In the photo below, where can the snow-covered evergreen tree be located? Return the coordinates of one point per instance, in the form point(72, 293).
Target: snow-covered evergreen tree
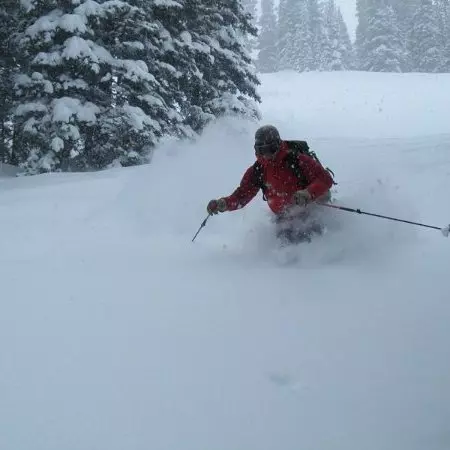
point(425, 39)
point(250, 7)
point(102, 82)
point(312, 36)
point(174, 57)
point(86, 97)
point(294, 38)
point(443, 13)
point(403, 13)
point(226, 81)
point(268, 55)
point(143, 101)
point(383, 50)
point(318, 39)
point(362, 12)
point(9, 18)
point(405, 10)
point(336, 55)
point(285, 35)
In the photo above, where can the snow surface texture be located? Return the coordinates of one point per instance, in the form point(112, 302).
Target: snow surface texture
point(116, 332)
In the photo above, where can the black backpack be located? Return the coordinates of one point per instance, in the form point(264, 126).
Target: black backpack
point(295, 148)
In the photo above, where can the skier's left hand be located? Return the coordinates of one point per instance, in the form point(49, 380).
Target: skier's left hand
point(302, 198)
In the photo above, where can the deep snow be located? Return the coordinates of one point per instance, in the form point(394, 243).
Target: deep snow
point(116, 332)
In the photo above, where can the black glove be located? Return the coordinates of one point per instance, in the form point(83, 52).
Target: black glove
point(217, 206)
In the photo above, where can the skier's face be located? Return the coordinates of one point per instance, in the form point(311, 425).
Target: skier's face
point(270, 157)
point(266, 151)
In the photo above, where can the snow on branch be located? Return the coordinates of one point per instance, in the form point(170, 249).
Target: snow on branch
point(76, 47)
point(135, 70)
point(167, 4)
point(66, 107)
point(138, 119)
point(56, 19)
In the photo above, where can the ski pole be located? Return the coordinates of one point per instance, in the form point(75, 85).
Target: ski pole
point(445, 231)
point(201, 226)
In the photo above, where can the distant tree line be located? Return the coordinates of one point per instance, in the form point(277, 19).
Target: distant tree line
point(392, 36)
point(303, 35)
point(403, 35)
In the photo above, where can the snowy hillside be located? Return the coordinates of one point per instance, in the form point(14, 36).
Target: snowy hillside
point(118, 333)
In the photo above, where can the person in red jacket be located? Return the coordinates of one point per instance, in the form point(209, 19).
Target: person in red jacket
point(286, 193)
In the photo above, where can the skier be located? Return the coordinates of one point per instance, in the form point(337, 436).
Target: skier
point(289, 186)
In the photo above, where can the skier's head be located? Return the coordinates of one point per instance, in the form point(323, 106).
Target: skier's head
point(267, 141)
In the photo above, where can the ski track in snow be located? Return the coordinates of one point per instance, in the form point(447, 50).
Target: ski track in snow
point(117, 332)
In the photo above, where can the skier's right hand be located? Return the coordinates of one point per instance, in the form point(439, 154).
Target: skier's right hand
point(217, 206)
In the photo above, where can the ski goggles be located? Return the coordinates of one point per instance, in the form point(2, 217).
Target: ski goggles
point(264, 149)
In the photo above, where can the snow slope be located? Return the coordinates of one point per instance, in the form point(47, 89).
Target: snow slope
point(118, 333)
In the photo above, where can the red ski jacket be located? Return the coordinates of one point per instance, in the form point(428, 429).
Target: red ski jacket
point(281, 182)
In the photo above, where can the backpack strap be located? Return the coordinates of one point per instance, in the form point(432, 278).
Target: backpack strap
point(291, 161)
